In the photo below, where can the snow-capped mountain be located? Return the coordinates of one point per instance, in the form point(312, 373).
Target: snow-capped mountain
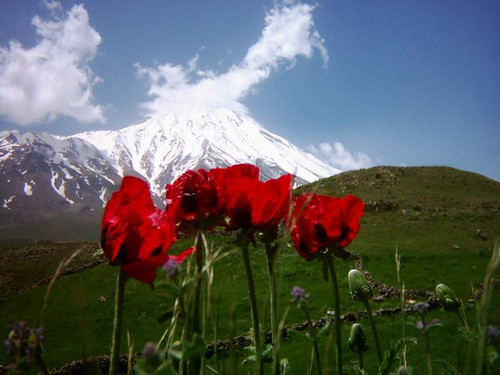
point(162, 148)
point(42, 174)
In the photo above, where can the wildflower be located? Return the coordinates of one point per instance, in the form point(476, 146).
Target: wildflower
point(299, 294)
point(134, 233)
point(249, 203)
point(321, 221)
point(24, 341)
point(421, 308)
point(172, 266)
point(151, 355)
point(192, 199)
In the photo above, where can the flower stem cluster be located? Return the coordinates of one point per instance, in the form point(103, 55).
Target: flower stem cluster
point(137, 236)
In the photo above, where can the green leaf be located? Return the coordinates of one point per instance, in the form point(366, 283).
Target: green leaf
point(447, 367)
point(267, 354)
point(192, 350)
point(391, 355)
point(325, 330)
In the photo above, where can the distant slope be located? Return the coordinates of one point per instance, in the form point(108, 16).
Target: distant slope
point(435, 189)
point(426, 208)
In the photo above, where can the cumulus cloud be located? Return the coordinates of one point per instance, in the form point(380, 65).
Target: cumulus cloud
point(54, 77)
point(289, 32)
point(339, 157)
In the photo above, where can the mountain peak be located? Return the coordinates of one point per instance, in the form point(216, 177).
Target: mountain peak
point(161, 148)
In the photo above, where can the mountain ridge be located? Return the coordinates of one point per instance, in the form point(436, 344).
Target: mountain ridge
point(45, 174)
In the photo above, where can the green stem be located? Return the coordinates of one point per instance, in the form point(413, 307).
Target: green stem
point(253, 304)
point(197, 290)
point(195, 365)
point(315, 341)
point(484, 307)
point(338, 339)
point(405, 347)
point(40, 363)
point(427, 348)
point(117, 323)
point(374, 332)
point(461, 315)
point(360, 358)
point(274, 312)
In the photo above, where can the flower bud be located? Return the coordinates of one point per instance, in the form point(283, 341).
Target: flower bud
point(360, 289)
point(299, 294)
point(448, 298)
point(357, 339)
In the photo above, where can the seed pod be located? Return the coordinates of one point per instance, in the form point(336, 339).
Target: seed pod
point(359, 287)
point(448, 298)
point(357, 339)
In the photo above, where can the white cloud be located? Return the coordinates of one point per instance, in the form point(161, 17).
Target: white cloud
point(339, 157)
point(289, 33)
point(55, 7)
point(53, 78)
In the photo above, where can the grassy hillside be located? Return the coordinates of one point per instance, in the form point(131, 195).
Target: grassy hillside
point(64, 227)
point(431, 214)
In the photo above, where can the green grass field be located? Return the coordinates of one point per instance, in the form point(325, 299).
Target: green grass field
point(432, 218)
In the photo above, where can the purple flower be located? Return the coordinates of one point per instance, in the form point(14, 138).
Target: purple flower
point(420, 325)
point(150, 350)
point(151, 355)
point(421, 308)
point(24, 340)
point(299, 294)
point(172, 268)
point(8, 346)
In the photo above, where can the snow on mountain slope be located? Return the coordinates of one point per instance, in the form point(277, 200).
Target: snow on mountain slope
point(43, 174)
point(162, 148)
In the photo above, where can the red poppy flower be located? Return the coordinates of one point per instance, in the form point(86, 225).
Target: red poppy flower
point(322, 221)
point(134, 233)
point(248, 202)
point(191, 198)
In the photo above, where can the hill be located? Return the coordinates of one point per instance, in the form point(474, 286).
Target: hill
point(407, 194)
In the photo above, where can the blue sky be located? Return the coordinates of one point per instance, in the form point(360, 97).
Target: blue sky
point(363, 82)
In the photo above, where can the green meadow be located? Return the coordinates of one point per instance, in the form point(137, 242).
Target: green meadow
point(444, 223)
